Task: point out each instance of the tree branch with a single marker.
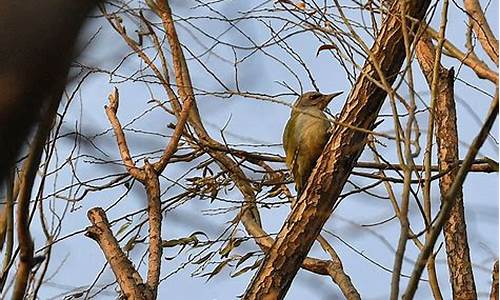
(481, 27)
(28, 178)
(457, 248)
(469, 59)
(334, 166)
(128, 278)
(447, 201)
(249, 214)
(111, 110)
(152, 185)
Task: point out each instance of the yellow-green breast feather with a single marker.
(304, 138)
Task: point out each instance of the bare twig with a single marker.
(336, 271)
(111, 111)
(28, 178)
(482, 29)
(470, 59)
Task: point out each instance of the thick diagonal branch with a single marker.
(325, 184)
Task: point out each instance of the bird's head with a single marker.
(315, 99)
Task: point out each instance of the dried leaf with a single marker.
(285, 1)
(217, 269)
(301, 5)
(245, 258)
(130, 244)
(176, 242)
(213, 195)
(326, 47)
(123, 228)
(203, 259)
(233, 243)
(248, 268)
(275, 191)
(76, 295)
(492, 163)
(192, 239)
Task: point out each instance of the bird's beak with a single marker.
(331, 96)
(328, 97)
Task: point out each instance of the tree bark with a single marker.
(129, 280)
(494, 282)
(447, 203)
(455, 233)
(325, 184)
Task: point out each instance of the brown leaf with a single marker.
(217, 269)
(326, 47)
(248, 268)
(301, 5)
(285, 1)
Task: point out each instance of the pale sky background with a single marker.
(262, 122)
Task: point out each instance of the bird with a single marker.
(306, 134)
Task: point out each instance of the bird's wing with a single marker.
(291, 147)
(289, 143)
(293, 163)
